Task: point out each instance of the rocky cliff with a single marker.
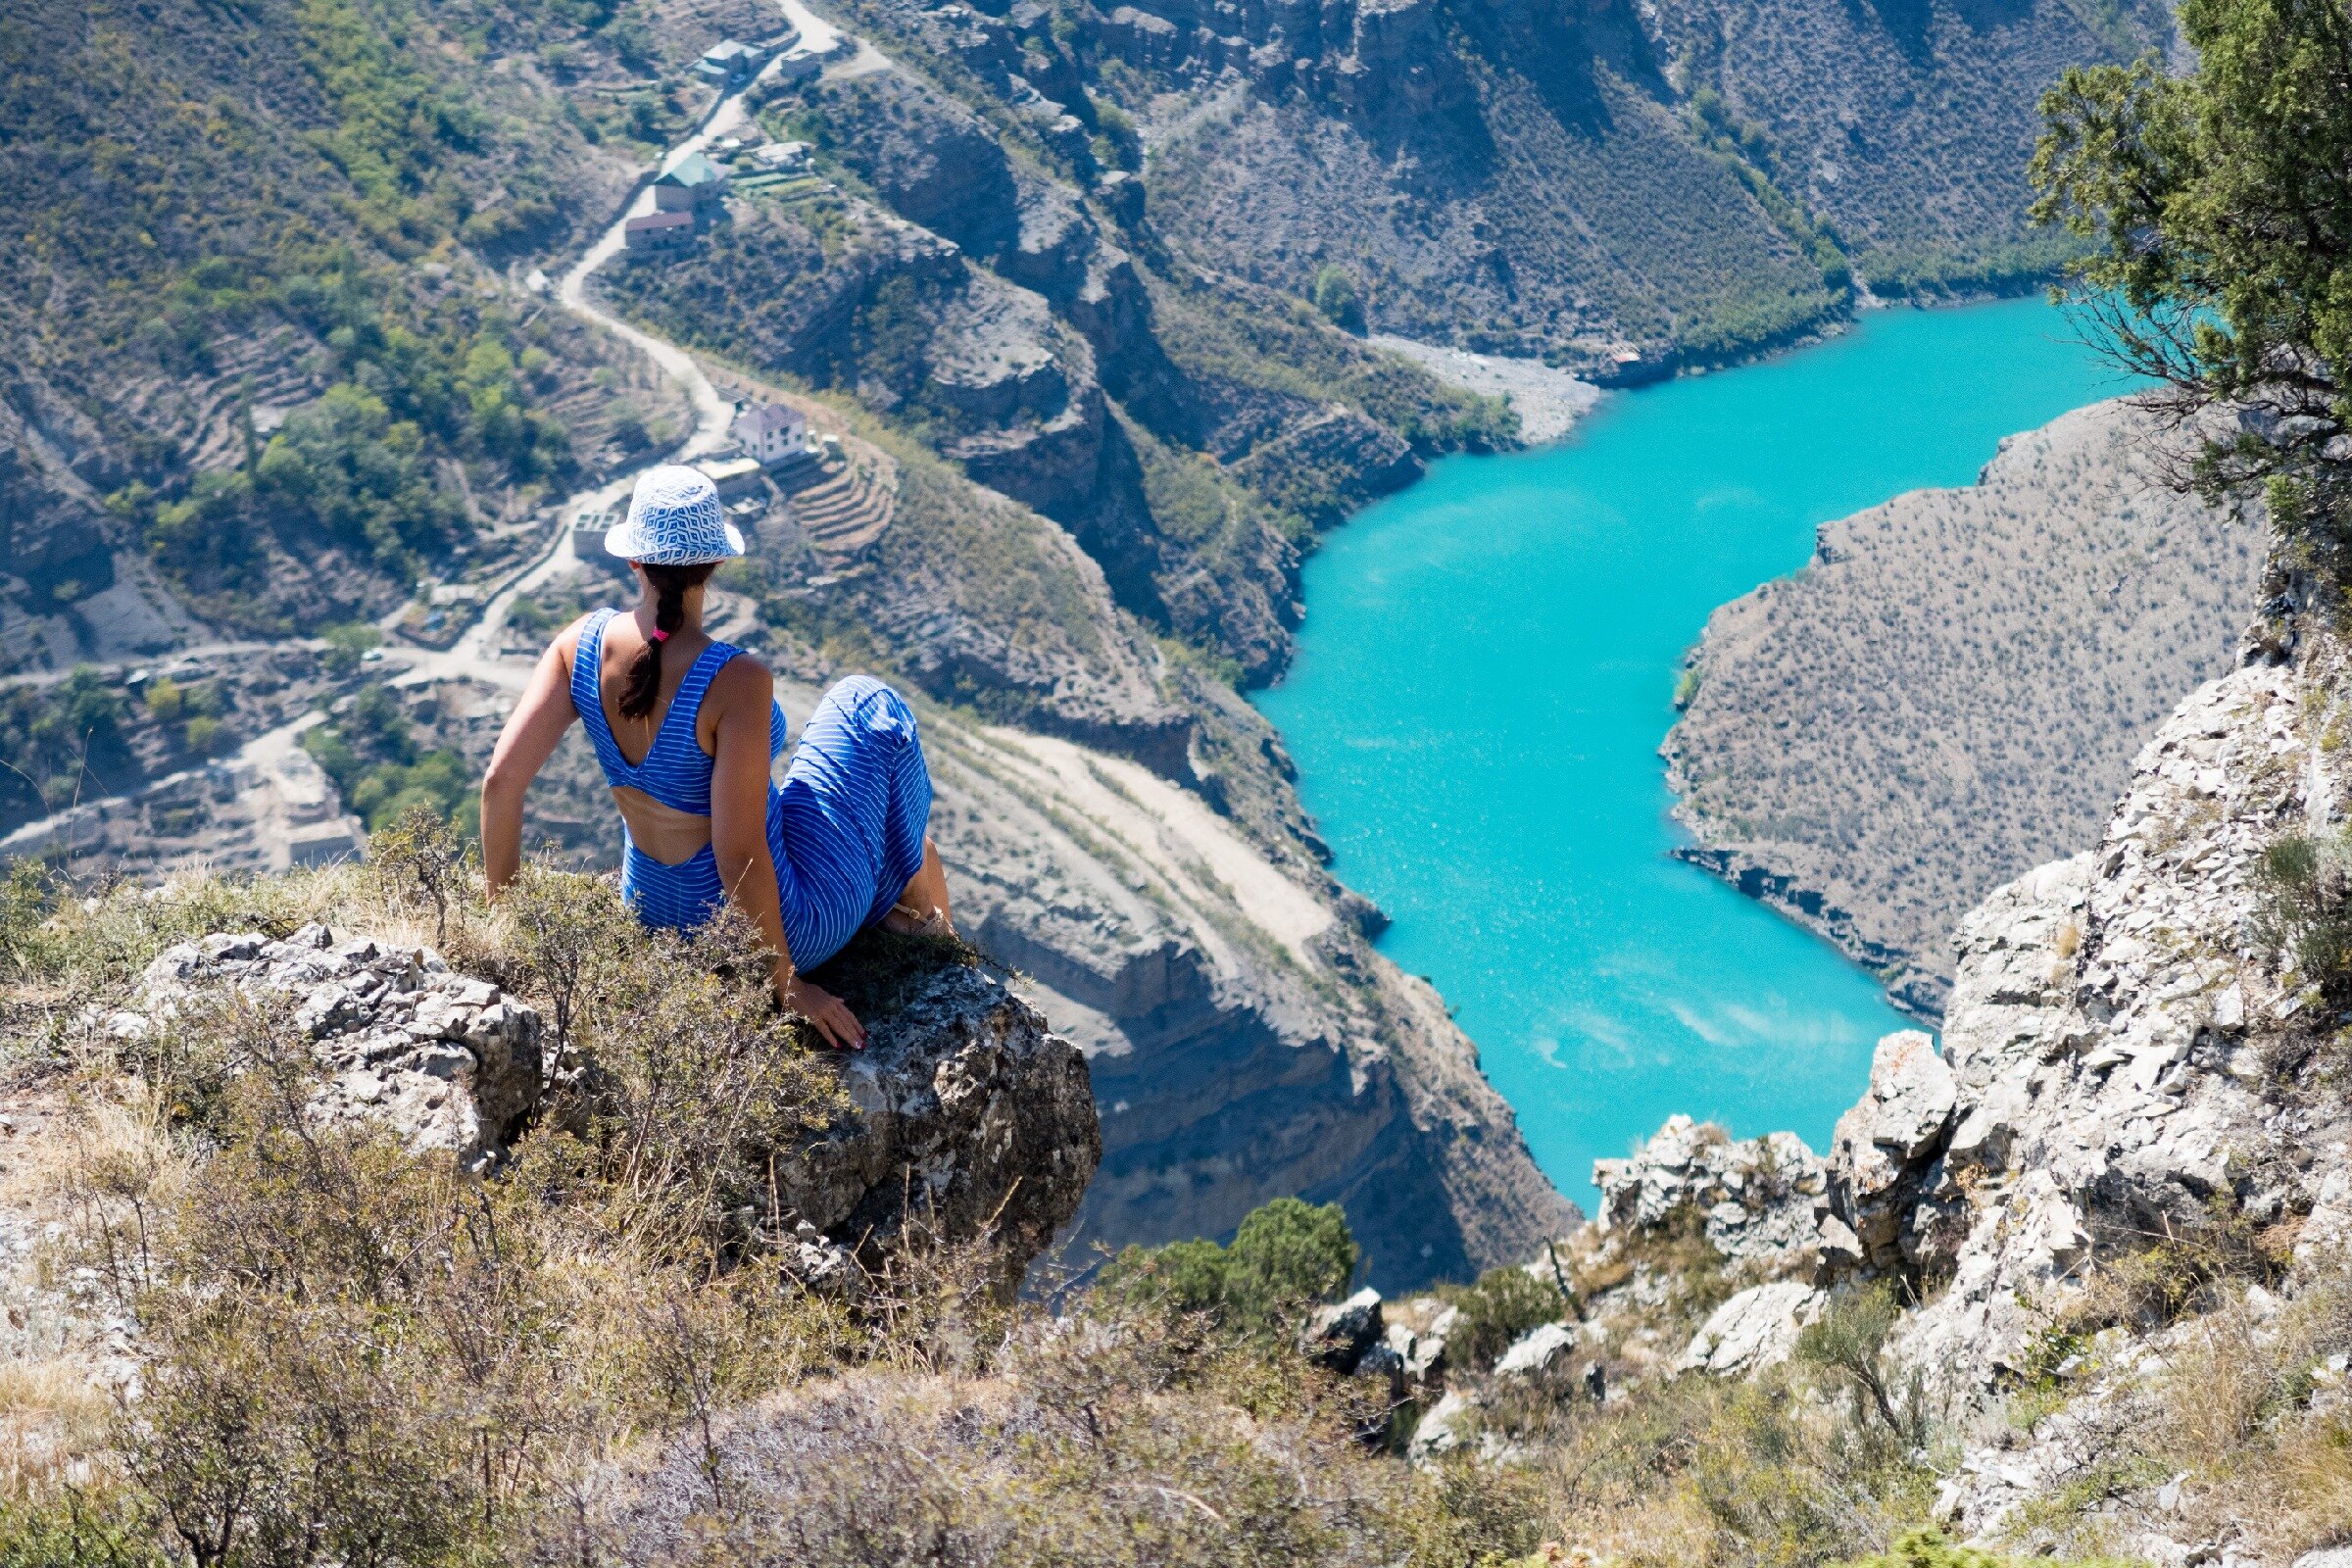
(2106, 1227)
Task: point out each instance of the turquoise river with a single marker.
(1487, 668)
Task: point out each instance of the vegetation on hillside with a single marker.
(348, 1353)
(278, 212)
(371, 751)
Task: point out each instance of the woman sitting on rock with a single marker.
(687, 731)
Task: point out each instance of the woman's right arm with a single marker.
(533, 732)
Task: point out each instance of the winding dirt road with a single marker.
(476, 653)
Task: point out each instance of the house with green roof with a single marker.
(694, 186)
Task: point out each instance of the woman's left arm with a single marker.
(742, 694)
(533, 732)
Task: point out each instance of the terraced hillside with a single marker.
(1952, 691)
(268, 358)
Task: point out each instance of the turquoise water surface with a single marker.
(1486, 670)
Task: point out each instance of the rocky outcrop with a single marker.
(967, 1117)
(2119, 1065)
(446, 1061)
(1763, 1201)
(2118, 1028)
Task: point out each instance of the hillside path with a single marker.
(476, 653)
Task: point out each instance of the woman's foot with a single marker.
(908, 921)
(922, 909)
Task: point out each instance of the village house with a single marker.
(657, 232)
(695, 186)
(782, 156)
(771, 434)
(729, 62)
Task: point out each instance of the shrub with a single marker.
(1286, 1255)
(2304, 888)
(1505, 1303)
(1848, 1343)
(1334, 293)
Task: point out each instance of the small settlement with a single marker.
(691, 196)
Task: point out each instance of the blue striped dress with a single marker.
(845, 828)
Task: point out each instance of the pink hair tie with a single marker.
(661, 636)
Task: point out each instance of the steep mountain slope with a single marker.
(1952, 691)
(1904, 127)
(1619, 188)
(259, 351)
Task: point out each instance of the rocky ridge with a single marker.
(2131, 1098)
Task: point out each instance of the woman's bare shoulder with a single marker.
(743, 679)
(567, 641)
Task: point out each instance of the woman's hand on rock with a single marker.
(824, 1013)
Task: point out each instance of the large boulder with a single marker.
(969, 1119)
(446, 1061)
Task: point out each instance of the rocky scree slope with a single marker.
(1950, 691)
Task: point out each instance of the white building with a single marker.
(771, 432)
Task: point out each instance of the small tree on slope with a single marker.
(2219, 208)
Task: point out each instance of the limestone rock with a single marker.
(1882, 1157)
(970, 1118)
(2098, 1032)
(1765, 1200)
(1442, 1428)
(1753, 1330)
(446, 1061)
(1340, 1334)
(1538, 1351)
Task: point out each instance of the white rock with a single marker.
(1536, 1351)
(1753, 1330)
(1441, 1429)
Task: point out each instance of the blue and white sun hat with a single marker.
(674, 521)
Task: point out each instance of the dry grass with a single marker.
(2253, 1413)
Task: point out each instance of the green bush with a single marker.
(2303, 888)
(1505, 1303)
(372, 753)
(1334, 293)
(1286, 1255)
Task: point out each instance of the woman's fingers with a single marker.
(829, 1016)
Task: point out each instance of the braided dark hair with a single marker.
(670, 584)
